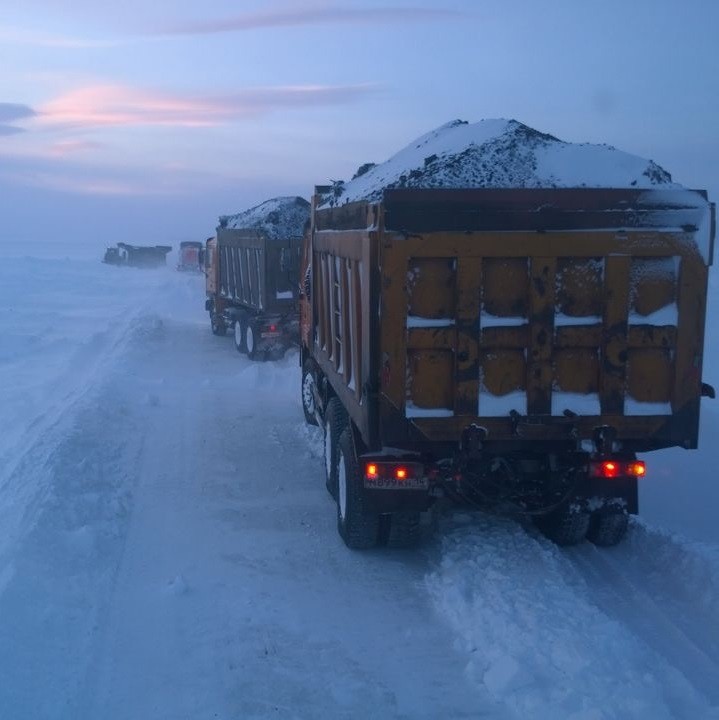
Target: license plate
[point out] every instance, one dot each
(394, 484)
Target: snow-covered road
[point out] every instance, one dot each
(170, 552)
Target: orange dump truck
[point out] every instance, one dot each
(510, 349)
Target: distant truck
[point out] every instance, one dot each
(143, 256)
(251, 287)
(190, 256)
(509, 349)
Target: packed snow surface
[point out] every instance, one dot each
(168, 549)
(498, 154)
(278, 218)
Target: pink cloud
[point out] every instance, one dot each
(116, 105)
(67, 148)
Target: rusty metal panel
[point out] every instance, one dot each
(505, 337)
(505, 286)
(614, 344)
(503, 371)
(692, 289)
(578, 336)
(431, 287)
(650, 375)
(541, 331)
(430, 381)
(576, 370)
(580, 287)
(393, 321)
(469, 289)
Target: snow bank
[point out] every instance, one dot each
(527, 615)
(280, 217)
(498, 153)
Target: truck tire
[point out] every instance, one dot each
(565, 526)
(240, 343)
(217, 324)
(251, 340)
(335, 422)
(608, 527)
(405, 530)
(308, 398)
(359, 529)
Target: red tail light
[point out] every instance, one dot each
(273, 328)
(618, 469)
(392, 471)
(609, 469)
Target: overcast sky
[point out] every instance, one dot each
(145, 121)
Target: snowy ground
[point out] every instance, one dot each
(168, 549)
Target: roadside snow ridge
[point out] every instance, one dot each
(280, 217)
(498, 153)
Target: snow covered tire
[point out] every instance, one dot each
(607, 528)
(308, 398)
(565, 526)
(251, 340)
(336, 421)
(358, 528)
(239, 332)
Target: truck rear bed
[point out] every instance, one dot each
(537, 314)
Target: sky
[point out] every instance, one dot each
(143, 122)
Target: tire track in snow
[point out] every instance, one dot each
(24, 486)
(538, 636)
(679, 632)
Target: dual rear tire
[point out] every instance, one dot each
(569, 526)
(239, 335)
(245, 336)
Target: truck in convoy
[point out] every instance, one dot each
(141, 256)
(251, 269)
(189, 256)
(510, 349)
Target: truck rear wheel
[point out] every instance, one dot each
(359, 529)
(251, 340)
(335, 423)
(565, 526)
(240, 335)
(308, 398)
(608, 527)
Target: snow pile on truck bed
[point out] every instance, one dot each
(280, 217)
(498, 154)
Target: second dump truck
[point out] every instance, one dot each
(510, 349)
(251, 268)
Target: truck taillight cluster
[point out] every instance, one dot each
(618, 469)
(390, 470)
